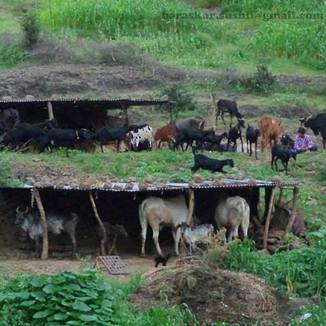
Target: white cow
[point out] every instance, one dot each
(231, 213)
(143, 135)
(159, 212)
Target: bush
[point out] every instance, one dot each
(182, 98)
(65, 298)
(11, 54)
(302, 271)
(30, 29)
(262, 81)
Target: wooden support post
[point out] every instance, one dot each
(294, 204)
(50, 111)
(99, 221)
(269, 217)
(45, 244)
(125, 113)
(280, 197)
(214, 120)
(170, 112)
(191, 207)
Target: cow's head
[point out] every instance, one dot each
(21, 215)
(241, 123)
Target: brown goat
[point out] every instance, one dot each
(165, 134)
(270, 129)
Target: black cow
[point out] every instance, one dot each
(227, 106)
(252, 136)
(234, 134)
(317, 124)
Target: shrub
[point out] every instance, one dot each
(65, 298)
(302, 269)
(182, 98)
(262, 81)
(30, 29)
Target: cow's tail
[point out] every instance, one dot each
(141, 209)
(245, 219)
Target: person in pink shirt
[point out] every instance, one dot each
(303, 142)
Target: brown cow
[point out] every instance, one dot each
(165, 134)
(270, 129)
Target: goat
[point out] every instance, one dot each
(192, 235)
(206, 163)
(284, 154)
(57, 223)
(234, 134)
(252, 136)
(114, 231)
(270, 130)
(158, 212)
(227, 106)
(233, 212)
(162, 260)
(287, 141)
(165, 134)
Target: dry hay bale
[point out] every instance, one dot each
(211, 293)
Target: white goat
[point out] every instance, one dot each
(159, 212)
(194, 234)
(231, 213)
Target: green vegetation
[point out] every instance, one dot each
(301, 272)
(83, 298)
(175, 32)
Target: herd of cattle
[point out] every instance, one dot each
(179, 134)
(232, 213)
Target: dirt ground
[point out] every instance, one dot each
(13, 267)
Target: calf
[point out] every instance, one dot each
(57, 223)
(270, 130)
(284, 154)
(159, 212)
(206, 163)
(252, 136)
(65, 138)
(317, 124)
(106, 135)
(234, 134)
(232, 213)
(142, 139)
(114, 231)
(227, 106)
(195, 234)
(165, 134)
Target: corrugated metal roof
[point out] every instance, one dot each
(114, 103)
(150, 187)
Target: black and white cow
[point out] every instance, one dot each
(140, 139)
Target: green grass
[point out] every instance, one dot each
(196, 42)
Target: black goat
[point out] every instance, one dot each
(206, 163)
(287, 141)
(252, 136)
(234, 134)
(284, 154)
(162, 260)
(227, 106)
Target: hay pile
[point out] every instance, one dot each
(212, 294)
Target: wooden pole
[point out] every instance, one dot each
(294, 204)
(125, 113)
(45, 244)
(99, 221)
(191, 207)
(269, 217)
(214, 120)
(50, 111)
(280, 197)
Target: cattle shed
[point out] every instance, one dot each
(78, 113)
(117, 202)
